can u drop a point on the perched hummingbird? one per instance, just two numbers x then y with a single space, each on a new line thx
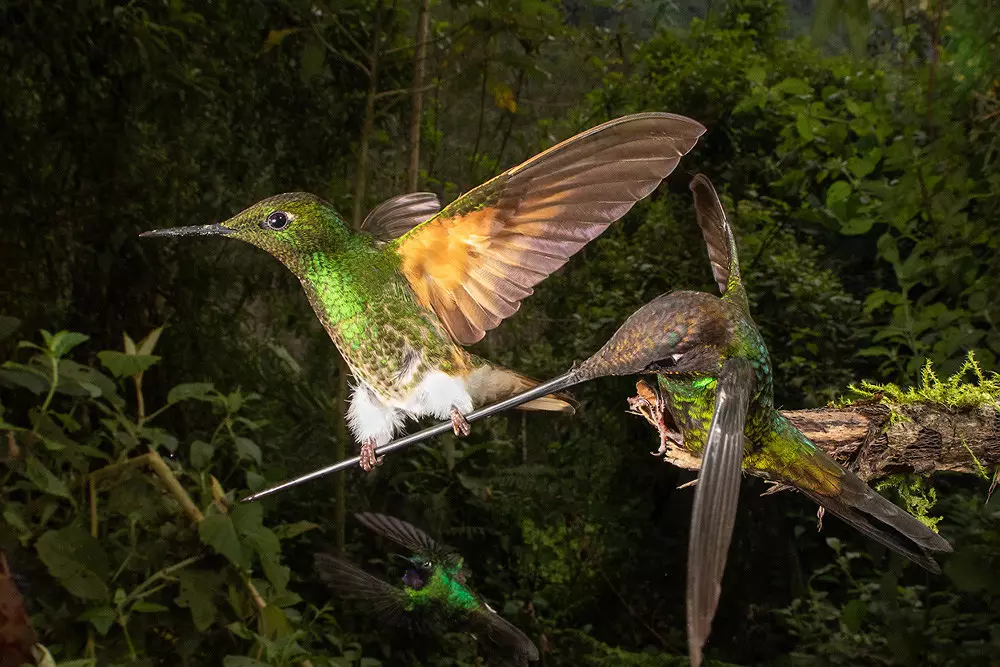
401 299
714 400
435 594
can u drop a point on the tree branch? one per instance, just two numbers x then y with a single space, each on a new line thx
922 438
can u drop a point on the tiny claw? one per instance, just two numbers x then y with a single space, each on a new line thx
459 424
368 458
819 518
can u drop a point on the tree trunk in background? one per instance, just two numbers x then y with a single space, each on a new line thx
930 438
360 183
417 101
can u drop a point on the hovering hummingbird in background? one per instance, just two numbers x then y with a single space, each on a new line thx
401 299
435 596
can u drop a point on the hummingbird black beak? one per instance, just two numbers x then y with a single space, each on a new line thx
194 230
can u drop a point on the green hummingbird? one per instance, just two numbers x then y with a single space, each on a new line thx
435 595
714 399
402 298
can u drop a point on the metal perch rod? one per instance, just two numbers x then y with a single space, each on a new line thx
545 389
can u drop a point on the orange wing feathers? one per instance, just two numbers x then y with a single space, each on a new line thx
478 258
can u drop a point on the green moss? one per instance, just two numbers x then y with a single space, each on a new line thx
953 392
912 494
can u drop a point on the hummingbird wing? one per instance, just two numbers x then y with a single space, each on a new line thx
501 640
384 601
394 217
715 500
399 531
720 241
475 261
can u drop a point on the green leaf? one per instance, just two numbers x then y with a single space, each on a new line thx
8 325
43 478
856 226
148 607
100 617
77 560
160 438
311 60
64 341
201 454
837 193
803 124
149 342
287 531
126 365
793 86
853 614
199 391
30 377
197 593
217 531
276 573
247 449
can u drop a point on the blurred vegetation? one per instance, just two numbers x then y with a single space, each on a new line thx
860 167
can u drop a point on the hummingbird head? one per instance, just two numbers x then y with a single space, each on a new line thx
420 571
287 226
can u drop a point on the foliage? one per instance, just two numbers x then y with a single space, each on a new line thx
864 195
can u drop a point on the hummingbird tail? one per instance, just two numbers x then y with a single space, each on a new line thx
489 383
843 493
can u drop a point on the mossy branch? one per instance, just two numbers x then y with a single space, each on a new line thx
940 426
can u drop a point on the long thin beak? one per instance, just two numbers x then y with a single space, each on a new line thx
194 230
552 386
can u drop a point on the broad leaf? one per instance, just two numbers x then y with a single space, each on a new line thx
217 531
77 560
126 365
199 391
197 593
43 478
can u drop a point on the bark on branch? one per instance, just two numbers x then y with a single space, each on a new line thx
923 438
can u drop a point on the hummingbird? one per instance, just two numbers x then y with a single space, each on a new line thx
435 594
402 298
714 402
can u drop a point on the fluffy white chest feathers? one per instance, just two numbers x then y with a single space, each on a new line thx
372 417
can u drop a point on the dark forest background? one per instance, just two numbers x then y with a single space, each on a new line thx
855 144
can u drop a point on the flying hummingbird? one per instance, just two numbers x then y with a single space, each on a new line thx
401 298
435 594
714 400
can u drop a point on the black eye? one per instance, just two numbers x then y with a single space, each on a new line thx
427 565
277 221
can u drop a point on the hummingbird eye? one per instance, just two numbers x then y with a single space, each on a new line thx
427 565
277 221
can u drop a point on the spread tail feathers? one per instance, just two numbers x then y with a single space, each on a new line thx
488 384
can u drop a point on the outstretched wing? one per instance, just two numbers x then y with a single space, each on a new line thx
398 531
500 640
715 500
719 240
394 217
387 603
475 261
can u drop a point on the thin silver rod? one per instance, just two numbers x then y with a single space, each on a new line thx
550 387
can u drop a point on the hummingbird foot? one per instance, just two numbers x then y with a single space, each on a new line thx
368 458
819 518
648 403
459 424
